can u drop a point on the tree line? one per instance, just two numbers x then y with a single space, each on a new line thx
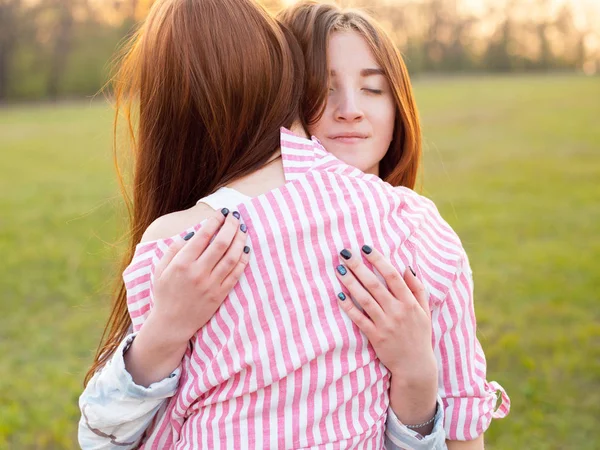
62 48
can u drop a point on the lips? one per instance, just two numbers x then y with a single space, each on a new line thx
348 138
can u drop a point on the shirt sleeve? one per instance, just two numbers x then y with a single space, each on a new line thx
115 411
399 437
470 402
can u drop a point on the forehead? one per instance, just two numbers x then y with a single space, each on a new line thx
349 51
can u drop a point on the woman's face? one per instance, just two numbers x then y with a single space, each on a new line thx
358 123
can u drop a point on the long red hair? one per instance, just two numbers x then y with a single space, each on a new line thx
312 23
204 87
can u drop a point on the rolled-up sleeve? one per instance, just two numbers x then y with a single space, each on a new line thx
470 401
115 411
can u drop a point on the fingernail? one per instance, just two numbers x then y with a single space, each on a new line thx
236 214
366 249
225 211
243 228
412 271
342 296
246 249
188 236
342 270
346 254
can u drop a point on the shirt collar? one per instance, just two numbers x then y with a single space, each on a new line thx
300 154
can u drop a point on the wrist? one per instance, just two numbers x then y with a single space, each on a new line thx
163 334
152 357
413 397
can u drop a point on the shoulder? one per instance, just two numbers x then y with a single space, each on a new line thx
423 212
174 223
429 229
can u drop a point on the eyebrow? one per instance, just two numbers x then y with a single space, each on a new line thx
370 72
364 72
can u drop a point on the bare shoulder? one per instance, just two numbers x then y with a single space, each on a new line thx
173 223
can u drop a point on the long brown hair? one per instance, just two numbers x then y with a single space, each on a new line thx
211 82
312 23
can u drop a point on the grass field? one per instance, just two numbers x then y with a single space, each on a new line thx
513 164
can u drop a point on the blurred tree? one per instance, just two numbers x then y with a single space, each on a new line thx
62 45
498 56
8 40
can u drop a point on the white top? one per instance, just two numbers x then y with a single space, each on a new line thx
224 197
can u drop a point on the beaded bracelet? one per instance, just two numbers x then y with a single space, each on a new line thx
421 425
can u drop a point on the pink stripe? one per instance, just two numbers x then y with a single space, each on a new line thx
139 296
357 336
137 281
140 311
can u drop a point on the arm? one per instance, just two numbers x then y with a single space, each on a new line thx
125 396
397 323
115 411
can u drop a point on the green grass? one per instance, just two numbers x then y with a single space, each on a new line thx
513 163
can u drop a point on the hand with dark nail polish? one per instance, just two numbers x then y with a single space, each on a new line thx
366 249
342 270
236 214
225 211
188 236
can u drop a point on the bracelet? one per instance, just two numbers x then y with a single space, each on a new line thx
421 425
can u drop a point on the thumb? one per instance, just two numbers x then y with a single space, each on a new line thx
417 288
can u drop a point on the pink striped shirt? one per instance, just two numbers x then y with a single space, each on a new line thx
280 365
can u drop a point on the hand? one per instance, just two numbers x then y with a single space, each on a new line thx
190 282
194 276
395 319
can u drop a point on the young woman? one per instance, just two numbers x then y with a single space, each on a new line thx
162 341
358 101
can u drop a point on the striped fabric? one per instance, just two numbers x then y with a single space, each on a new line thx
280 365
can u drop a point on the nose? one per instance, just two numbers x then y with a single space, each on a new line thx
348 108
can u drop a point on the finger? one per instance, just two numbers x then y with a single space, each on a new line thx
417 288
170 253
231 257
200 241
234 276
360 294
356 315
394 280
368 279
220 244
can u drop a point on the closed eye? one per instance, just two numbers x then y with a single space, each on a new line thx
374 91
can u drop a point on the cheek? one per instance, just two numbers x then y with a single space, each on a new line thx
383 121
318 129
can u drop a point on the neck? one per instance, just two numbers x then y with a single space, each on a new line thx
298 129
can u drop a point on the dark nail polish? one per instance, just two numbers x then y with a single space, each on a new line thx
342 296
236 214
225 211
246 249
188 236
346 254
366 249
412 271
243 228
342 270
